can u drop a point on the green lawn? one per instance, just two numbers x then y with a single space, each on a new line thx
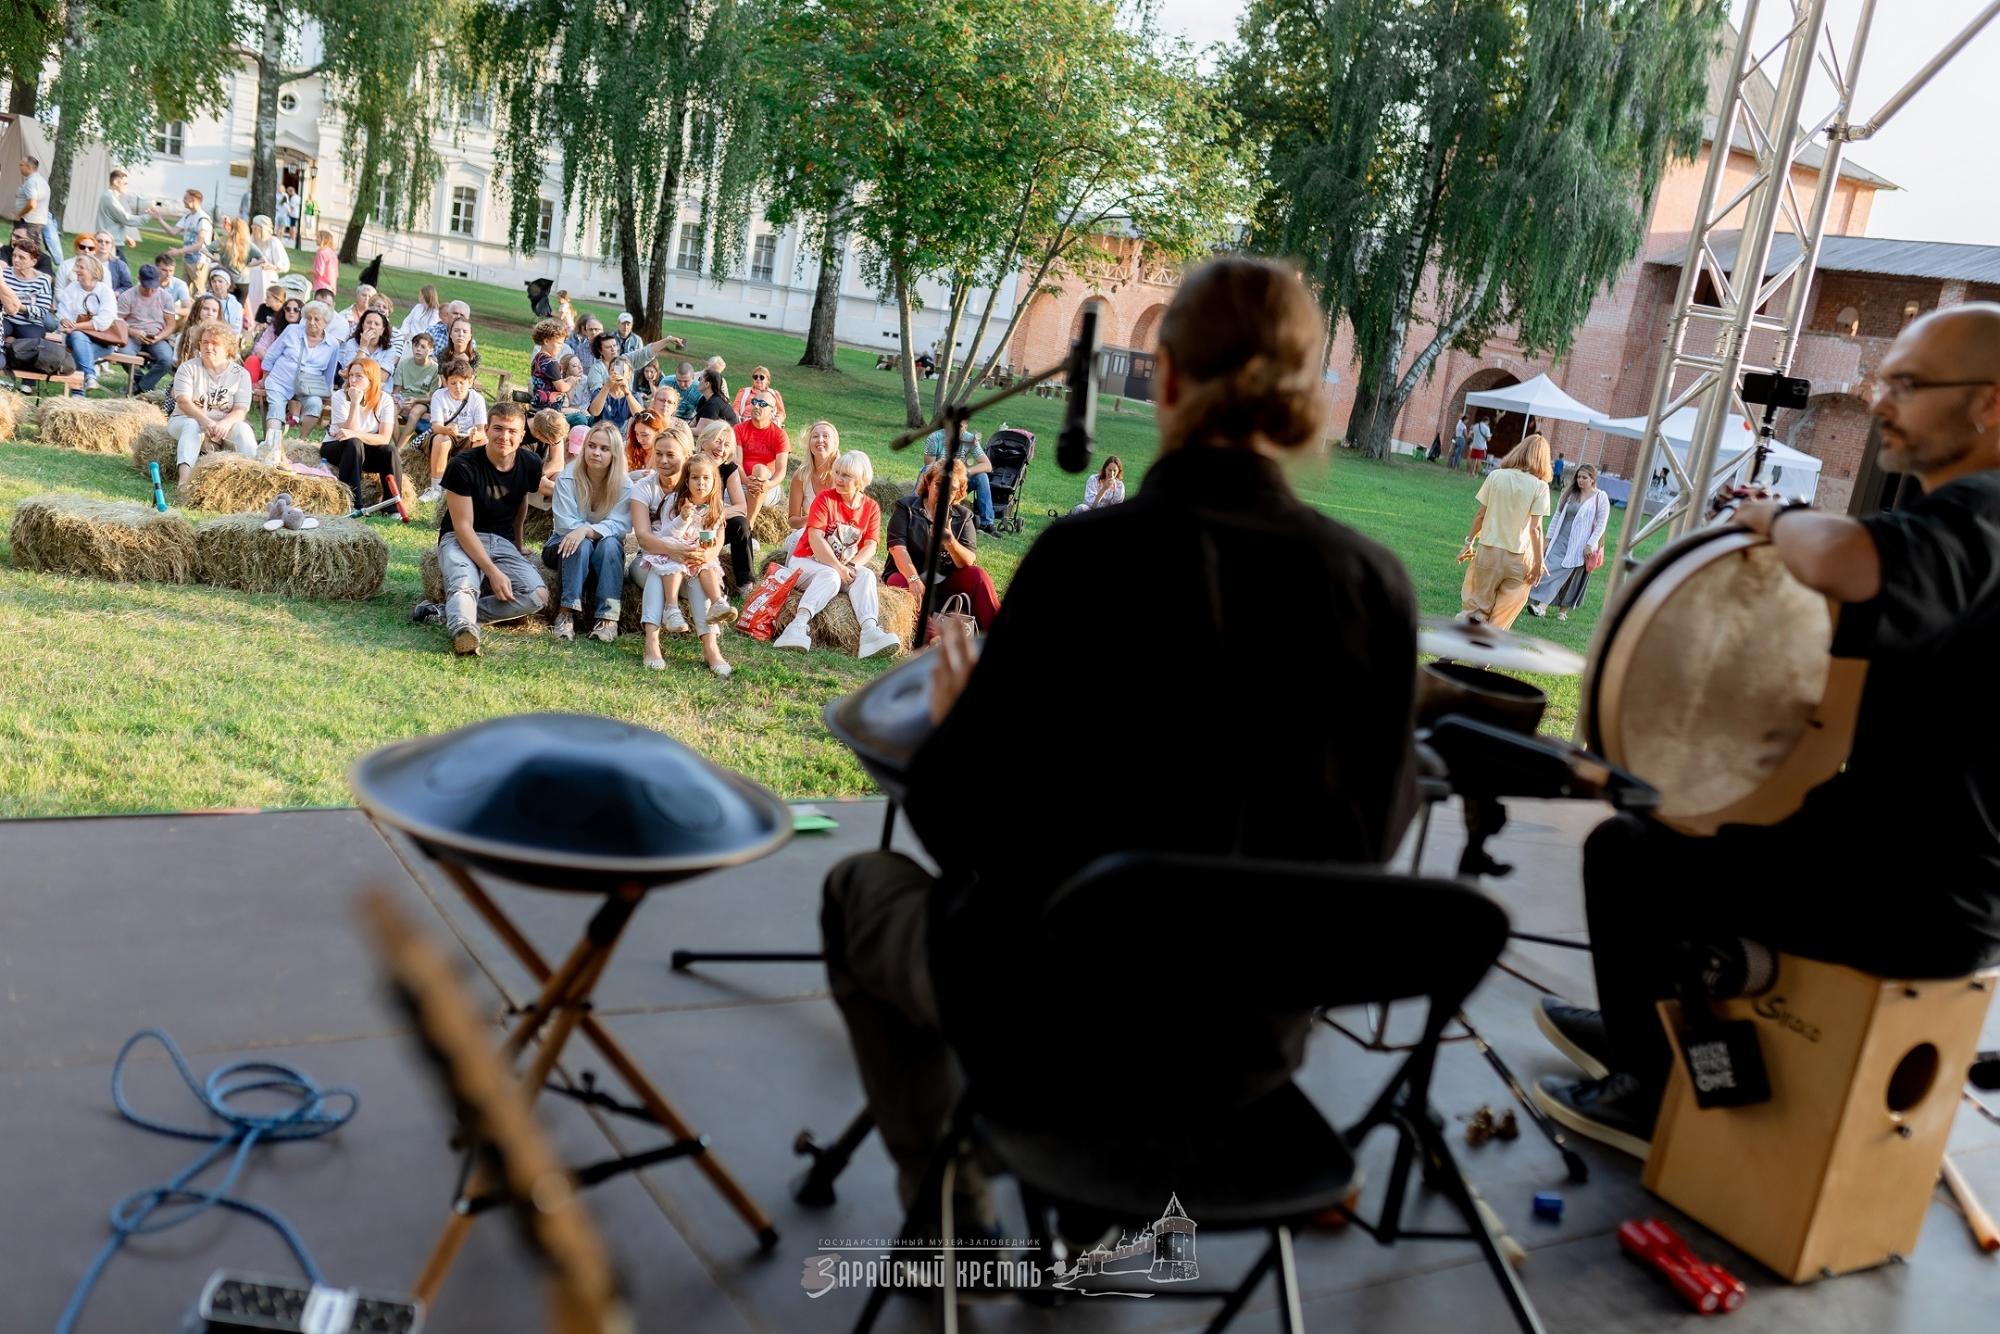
130 698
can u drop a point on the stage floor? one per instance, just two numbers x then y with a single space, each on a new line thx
236 934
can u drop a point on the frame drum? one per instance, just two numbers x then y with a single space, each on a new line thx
1714 681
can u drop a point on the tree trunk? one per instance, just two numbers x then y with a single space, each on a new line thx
629 272
665 213
967 382
270 79
961 292
364 203
826 300
21 89
63 150
1378 398
1024 294
913 414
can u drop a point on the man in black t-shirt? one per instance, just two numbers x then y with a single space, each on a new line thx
1893 865
479 535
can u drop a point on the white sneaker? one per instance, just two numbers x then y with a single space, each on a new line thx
432 494
797 635
90 382
874 639
675 622
722 669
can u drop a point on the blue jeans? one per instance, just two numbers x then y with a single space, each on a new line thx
52 239
602 557
159 358
981 485
464 606
84 349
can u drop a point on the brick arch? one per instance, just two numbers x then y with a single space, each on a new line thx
1145 330
1506 425
1107 322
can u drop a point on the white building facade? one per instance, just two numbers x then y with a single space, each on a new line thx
462 230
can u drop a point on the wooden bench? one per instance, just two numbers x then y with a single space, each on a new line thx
133 365
73 380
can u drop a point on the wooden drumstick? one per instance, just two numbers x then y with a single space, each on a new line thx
1983 1232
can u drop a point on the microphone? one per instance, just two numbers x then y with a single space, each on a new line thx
1080 424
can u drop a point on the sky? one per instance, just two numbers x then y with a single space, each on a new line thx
1937 148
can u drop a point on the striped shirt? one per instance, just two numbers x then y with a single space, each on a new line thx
35 293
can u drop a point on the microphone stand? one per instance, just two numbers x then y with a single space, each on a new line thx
953 421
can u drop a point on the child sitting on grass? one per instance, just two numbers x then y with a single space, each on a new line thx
694 520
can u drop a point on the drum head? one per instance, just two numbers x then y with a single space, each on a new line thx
885 721
1713 673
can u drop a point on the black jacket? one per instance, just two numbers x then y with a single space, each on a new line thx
1257 661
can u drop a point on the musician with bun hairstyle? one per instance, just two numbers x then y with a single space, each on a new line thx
1239 581
1892 866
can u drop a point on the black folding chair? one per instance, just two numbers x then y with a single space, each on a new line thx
1227 957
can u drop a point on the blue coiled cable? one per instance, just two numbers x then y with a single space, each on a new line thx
309 1118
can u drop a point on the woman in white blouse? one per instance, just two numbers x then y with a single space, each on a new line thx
361 438
1575 546
1105 487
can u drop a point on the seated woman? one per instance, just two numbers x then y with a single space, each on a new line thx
669 528
640 432
211 399
925 969
718 442
361 438
648 383
87 317
760 384
614 400
289 315
592 514
373 341
298 376
843 528
822 452
909 542
1104 487
714 403
203 309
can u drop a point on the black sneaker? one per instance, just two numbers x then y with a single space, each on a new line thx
1616 1110
1576 1033
428 613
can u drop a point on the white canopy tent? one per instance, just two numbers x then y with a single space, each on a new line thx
1790 471
1539 397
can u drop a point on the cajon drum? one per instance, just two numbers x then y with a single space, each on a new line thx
1835 1172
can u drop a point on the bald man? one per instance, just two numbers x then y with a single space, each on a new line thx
1893 865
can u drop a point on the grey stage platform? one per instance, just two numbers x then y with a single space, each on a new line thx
234 933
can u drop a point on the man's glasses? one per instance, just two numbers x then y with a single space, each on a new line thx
1898 388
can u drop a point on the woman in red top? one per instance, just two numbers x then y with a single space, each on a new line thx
842 531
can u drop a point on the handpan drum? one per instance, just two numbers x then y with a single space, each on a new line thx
885 721
1714 681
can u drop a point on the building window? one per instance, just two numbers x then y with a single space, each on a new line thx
477 111
545 224
763 257
288 102
385 203
168 139
689 258
464 211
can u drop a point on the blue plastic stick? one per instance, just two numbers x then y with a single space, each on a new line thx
159 492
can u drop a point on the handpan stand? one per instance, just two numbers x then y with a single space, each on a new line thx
577 805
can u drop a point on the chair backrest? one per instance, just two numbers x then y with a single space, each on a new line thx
1235 934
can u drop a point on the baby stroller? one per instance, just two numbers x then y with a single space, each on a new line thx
1011 451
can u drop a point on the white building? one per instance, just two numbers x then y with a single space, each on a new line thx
463 232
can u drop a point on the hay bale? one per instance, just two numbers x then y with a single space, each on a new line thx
100 539
299 451
96 425
14 412
432 576
157 397
155 444
537 528
836 626
342 558
416 468
887 493
770 525
231 484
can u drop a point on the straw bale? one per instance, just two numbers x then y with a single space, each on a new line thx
157 397
14 412
770 525
101 539
342 558
432 575
537 528
231 484
886 493
836 626
416 468
96 425
304 453
155 444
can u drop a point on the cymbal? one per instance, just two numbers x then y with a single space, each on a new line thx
1486 646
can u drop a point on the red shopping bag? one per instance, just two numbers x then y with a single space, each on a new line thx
759 619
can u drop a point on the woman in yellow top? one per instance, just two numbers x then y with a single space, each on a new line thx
1506 536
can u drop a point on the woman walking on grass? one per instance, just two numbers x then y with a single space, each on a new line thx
1575 546
1505 544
